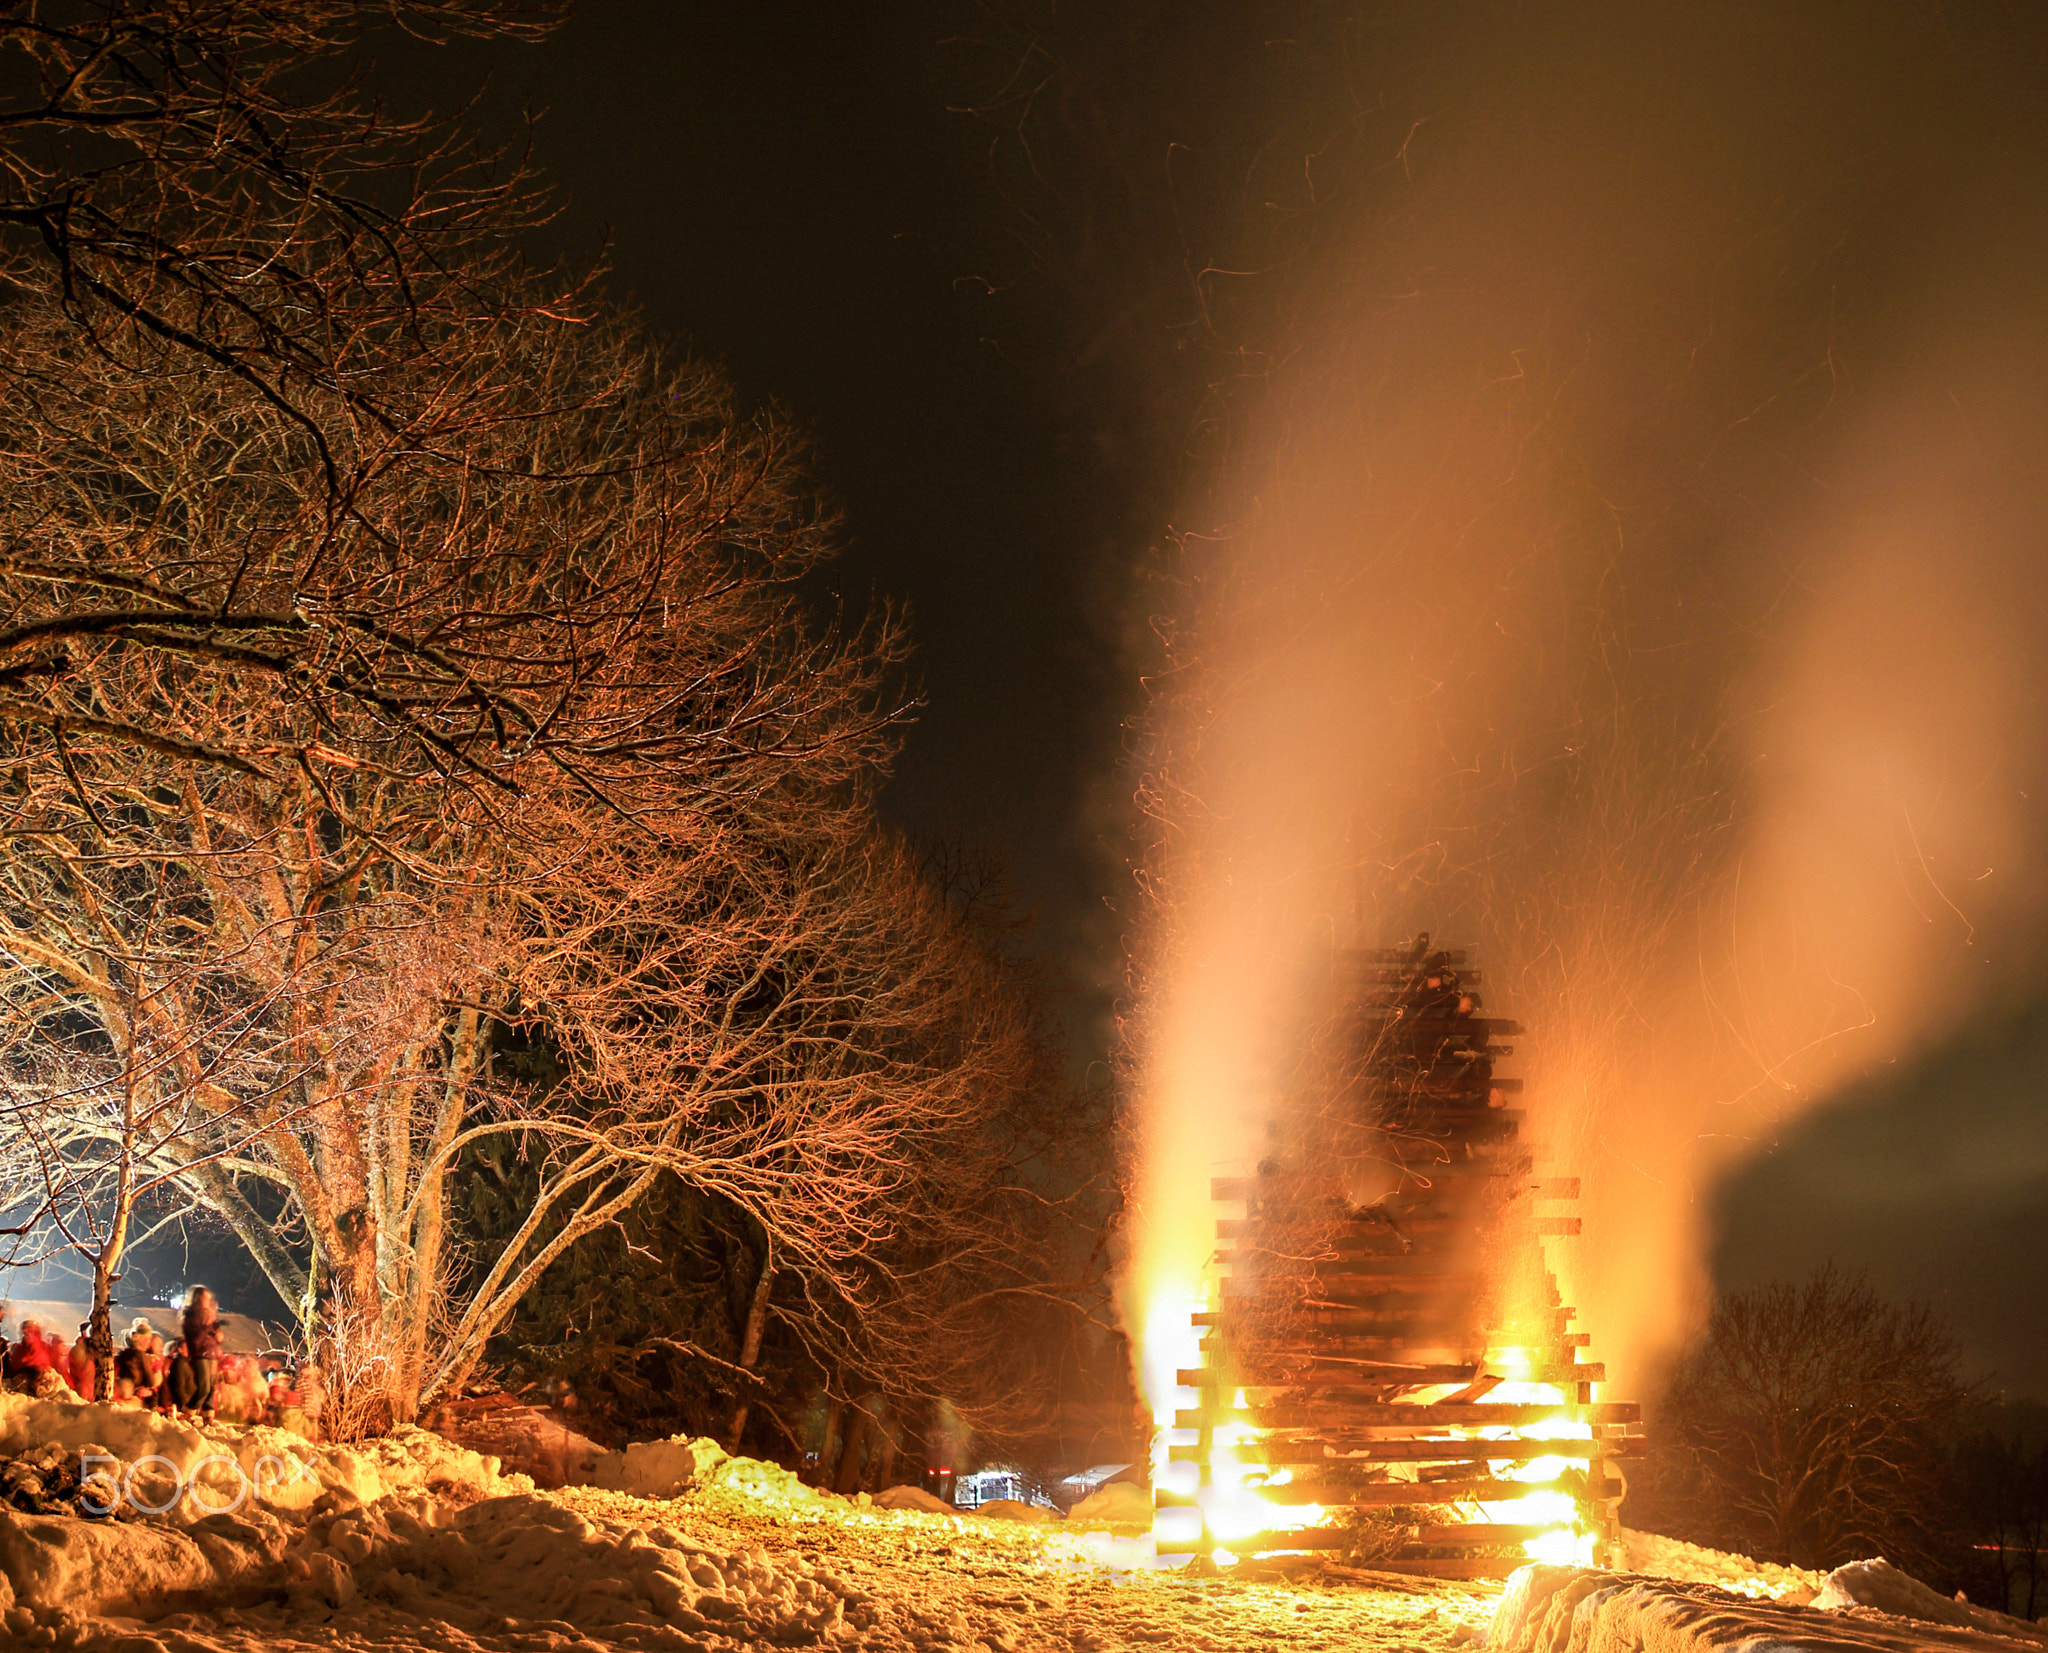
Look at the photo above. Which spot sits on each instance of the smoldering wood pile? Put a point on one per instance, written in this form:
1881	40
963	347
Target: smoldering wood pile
1400	1252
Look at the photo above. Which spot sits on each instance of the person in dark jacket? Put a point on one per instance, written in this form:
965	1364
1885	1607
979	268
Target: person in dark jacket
134	1376
202	1348
180	1392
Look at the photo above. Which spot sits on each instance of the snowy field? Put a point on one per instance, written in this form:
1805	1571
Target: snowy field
751	1559
419	1544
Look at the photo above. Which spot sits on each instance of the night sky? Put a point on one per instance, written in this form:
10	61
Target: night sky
954	242
781	187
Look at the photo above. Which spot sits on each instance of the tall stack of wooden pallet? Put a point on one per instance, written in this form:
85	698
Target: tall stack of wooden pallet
1383	1275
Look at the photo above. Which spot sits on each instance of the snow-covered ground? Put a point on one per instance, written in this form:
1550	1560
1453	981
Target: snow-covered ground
419	1544
1866	1607
1656	1557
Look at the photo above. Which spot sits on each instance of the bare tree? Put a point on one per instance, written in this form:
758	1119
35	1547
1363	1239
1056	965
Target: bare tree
989	1270
1803	1428
335	299
759	1011
198	844
394	651
2002	1493
138	1066
969	1291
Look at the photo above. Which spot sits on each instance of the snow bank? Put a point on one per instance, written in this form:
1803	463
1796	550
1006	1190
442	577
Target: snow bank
526	1440
218	1514
1120	1501
49	1563
535	1561
658	1469
913	1498
1656	1557
764	1483
179	1469
523	1565
1012	1509
1577	1610
1881	1587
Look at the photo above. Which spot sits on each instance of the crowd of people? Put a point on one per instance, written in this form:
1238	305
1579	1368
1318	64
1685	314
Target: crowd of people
192	1376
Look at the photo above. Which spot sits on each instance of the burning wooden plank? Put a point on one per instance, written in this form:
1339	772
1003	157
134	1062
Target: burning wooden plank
1337	1324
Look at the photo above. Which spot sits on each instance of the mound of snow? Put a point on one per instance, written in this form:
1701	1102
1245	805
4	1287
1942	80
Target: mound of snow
658	1469
1577	1610
49	1563
764	1483
220	1513
526	1440
529	1563
1881	1587
1011	1509
182	1470
912	1498
1656	1557
1122	1501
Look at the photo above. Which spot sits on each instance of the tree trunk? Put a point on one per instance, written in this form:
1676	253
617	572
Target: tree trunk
750	1341
885	1460
848	1478
828	1451
100	1326
106	1264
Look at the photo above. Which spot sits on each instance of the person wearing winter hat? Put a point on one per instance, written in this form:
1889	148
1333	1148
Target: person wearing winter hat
134	1376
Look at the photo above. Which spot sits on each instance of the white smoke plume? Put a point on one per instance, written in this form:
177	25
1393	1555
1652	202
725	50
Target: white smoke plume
1625	561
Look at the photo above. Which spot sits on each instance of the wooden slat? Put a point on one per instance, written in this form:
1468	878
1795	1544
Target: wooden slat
1478	1566
1459	1534
1358	1290
1314	1188
1367	1331
1476	1124
1396	1265
1351	1270
1324	1538
1386	1494
1417	1452
1265	1543
1355	1234
1400	1415
1363	1373
1384	975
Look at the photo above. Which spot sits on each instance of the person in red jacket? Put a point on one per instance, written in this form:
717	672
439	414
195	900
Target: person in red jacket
202	1348
30	1357
60	1356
